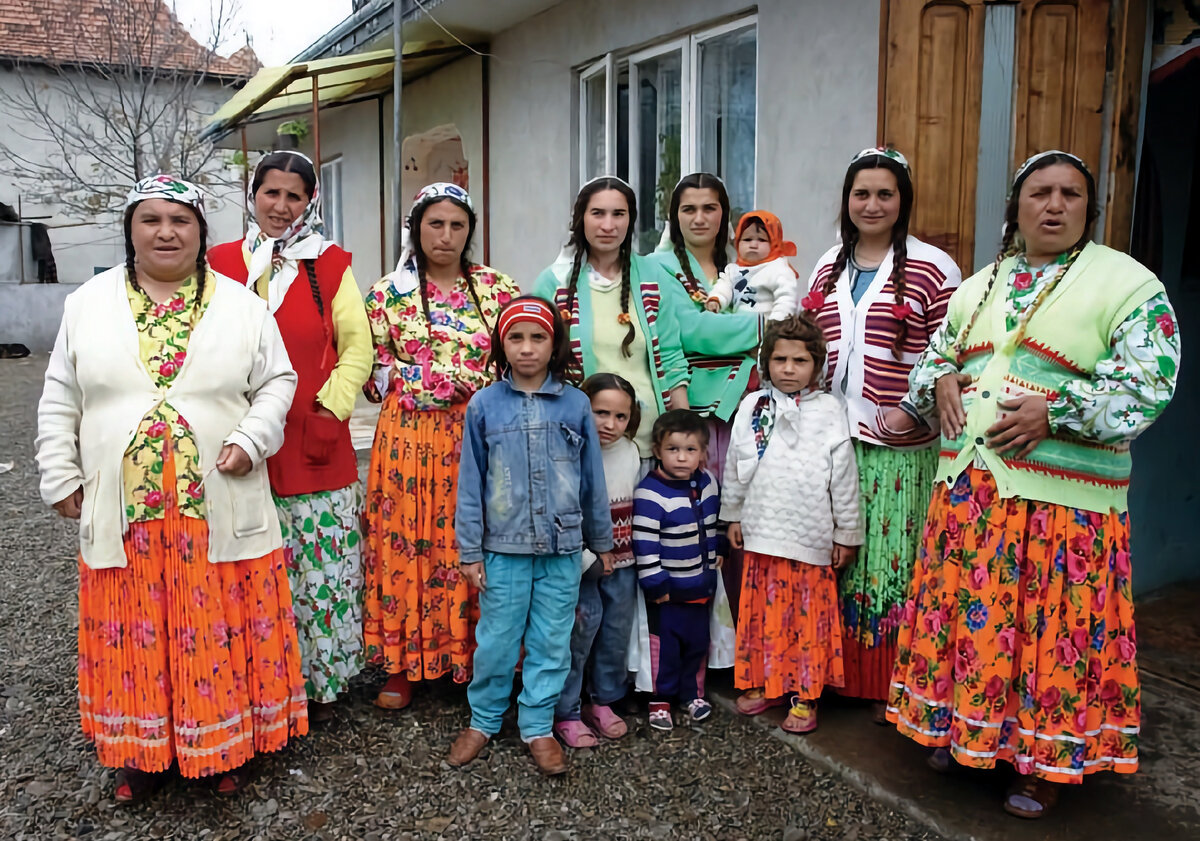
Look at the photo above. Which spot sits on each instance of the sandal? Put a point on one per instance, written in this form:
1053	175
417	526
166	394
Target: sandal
801	718
575	734
396	693
319	713
232	782
1030	797
939	760
133	786
604	721
755	702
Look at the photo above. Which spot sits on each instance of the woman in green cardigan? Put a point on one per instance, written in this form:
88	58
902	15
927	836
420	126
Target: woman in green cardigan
619	321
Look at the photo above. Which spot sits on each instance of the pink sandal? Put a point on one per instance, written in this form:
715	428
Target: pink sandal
604	721
755	702
801	718
575	734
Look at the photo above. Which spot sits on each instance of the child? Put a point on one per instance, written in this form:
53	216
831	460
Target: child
791	498
676	543
521	524
607	597
762	280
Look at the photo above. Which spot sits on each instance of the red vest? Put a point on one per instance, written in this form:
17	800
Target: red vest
317	454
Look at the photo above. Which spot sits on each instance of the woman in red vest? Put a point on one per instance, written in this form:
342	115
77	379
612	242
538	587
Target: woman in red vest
307	283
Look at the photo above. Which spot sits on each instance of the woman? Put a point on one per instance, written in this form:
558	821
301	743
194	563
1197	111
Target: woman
1017	641
430	325
619	320
166	391
307	284
878	296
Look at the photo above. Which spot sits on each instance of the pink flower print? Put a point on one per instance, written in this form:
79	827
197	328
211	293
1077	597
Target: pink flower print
444	390
1022	281
1051	698
178	304
1066	653
1006	640
142	633
424	355
1110	692
978	577
179	357
141	542
204	689
481	340
408	403
933	622
221	632
941	688
394	331
952	529
1126	648
1099	599
127	682
187	640
1077	567
457	299
473	364
1080	639
502	298
994	688
159	310
263	628
111	632
157	429
375	314
1121	563
411	347
1038	523
1081	719
378	296
154	499
1165	324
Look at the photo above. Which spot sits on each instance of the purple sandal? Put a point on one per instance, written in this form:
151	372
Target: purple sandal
604	721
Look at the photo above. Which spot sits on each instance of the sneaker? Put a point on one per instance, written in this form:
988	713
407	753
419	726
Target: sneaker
699	709
660	716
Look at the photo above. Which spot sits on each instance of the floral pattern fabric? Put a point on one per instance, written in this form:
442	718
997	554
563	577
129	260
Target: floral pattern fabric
1017	641
429	357
322	548
163	333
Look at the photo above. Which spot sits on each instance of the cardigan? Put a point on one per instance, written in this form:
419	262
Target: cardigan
860	366
801	495
675	538
235	387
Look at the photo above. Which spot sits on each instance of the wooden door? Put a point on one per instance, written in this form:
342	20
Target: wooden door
931	88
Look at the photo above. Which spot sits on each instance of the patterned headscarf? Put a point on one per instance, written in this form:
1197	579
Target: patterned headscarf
404	278
167	187
883	152
1023	169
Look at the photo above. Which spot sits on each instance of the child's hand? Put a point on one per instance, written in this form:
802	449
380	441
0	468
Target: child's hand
843	555
734	533
720	562
474	575
606	558
662	599
713	305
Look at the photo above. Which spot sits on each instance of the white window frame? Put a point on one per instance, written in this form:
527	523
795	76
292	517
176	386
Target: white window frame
332	201
606	66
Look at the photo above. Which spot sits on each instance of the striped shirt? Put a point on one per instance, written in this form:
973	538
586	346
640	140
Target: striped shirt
675	536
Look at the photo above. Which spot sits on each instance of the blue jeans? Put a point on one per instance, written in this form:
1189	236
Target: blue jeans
530	597
600	641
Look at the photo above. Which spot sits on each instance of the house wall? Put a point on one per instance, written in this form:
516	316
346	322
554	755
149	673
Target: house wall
817	103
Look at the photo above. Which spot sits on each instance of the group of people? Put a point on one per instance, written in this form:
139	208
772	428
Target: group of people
906	488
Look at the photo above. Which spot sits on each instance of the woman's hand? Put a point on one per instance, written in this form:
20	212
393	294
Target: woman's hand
896	426
734	533
234	461
474	575
948	394
843	555
678	398
462	393
70	507
609	562
1026	425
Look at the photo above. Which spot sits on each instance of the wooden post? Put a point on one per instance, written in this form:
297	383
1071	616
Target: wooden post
397	125
1128	49
245	182
316	120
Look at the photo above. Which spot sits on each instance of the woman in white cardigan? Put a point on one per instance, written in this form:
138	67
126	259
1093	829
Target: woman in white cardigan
166	391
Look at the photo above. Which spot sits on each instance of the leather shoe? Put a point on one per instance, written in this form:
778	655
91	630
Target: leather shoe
466	747
548	755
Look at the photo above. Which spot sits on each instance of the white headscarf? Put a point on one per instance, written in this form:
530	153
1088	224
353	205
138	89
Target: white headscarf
405	279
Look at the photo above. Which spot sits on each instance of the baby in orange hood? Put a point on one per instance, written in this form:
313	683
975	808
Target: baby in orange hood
762	280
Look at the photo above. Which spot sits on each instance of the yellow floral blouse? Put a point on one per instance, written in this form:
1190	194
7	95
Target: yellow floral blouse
163	333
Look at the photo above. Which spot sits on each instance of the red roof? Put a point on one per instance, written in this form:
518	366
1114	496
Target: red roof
110	32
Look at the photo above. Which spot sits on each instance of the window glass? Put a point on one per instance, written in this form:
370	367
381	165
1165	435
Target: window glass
660	132
726	113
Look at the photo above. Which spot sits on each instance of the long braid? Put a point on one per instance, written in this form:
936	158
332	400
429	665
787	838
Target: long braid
1042	296
835	271
899	259
310	269
468	275
626	283
573	279
688	279
423	286
1006	249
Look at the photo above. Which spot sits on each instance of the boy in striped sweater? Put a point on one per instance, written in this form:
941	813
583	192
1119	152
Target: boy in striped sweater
677	545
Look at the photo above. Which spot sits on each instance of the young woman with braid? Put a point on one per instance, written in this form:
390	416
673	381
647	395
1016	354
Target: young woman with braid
1017	641
308	286
878	296
165	393
619	319
431	321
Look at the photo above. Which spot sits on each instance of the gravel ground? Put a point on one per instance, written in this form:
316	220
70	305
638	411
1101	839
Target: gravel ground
368	774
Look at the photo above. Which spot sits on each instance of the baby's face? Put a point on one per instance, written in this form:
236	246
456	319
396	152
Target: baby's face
754	246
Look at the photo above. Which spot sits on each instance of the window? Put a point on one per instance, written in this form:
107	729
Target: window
331	199
655	114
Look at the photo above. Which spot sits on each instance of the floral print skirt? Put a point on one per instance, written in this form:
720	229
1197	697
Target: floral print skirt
894	487
789	636
419	613
1017	642
322	547
182	659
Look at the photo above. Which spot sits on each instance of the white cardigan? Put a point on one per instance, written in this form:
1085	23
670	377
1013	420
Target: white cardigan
234	388
801	497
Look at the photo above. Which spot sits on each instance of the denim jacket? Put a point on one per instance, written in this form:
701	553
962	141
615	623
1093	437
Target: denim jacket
531	477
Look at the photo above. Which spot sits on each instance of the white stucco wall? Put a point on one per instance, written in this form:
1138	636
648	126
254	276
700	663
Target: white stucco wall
817	95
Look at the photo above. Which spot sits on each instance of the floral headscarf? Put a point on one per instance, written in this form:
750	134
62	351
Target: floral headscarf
1023	169
883	152
170	188
404	278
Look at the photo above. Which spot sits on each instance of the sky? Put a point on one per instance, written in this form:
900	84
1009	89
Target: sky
278	29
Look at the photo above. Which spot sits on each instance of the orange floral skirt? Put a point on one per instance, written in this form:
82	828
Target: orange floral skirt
1017	641
789	630
185	660
419	614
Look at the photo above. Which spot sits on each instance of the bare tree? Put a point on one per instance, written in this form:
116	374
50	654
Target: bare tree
125	95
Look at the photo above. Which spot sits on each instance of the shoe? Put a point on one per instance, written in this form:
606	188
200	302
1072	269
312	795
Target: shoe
801	718
699	709
134	786
1031	798
755	702
319	713
879	713
232	782
396	693
939	760
660	716
602	719
466	747
575	734
548	754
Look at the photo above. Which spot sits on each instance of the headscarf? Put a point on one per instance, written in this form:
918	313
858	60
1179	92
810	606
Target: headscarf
405	278
780	247
170	188
1024	169
278	258
883	152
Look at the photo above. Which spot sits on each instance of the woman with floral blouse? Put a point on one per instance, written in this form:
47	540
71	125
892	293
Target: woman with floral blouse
1017	641
430	322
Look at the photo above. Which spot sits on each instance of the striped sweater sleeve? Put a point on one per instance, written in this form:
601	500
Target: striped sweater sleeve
647	518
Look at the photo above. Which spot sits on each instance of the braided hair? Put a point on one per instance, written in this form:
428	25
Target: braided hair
201	254
720	254
578	242
899	243
1012	244
464	263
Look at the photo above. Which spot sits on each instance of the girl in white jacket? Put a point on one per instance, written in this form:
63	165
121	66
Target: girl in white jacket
762	280
791	500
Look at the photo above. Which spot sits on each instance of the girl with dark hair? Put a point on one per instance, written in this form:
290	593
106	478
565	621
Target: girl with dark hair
166	391
878	296
308	286
431	321
618	318
1017	639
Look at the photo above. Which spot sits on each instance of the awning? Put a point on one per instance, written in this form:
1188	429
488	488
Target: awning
278	93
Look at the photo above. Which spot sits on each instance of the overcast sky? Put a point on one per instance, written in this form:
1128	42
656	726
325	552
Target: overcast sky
278	29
